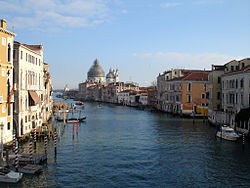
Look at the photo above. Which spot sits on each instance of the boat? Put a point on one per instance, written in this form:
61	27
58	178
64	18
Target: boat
79	103
71	120
29	168
227	133
9	176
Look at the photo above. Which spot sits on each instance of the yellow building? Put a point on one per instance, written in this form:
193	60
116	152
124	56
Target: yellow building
6	83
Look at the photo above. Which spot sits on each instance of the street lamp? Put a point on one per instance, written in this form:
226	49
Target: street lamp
1	126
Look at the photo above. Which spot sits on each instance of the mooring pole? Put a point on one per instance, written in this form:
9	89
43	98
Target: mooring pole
77	125
55	140
35	139
243	141
73	129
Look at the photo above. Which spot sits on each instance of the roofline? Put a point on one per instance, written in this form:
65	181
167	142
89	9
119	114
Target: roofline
7	32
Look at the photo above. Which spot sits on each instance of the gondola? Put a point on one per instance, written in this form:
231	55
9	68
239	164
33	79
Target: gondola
70	120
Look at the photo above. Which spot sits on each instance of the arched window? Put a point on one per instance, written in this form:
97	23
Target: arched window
9	53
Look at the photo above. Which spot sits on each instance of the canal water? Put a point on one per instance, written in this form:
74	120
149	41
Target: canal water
120	146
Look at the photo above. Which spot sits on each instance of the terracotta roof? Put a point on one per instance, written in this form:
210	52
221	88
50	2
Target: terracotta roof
196	76
33	47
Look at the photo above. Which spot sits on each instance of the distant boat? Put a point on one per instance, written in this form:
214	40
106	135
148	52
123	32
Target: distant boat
227	133
9	176
79	103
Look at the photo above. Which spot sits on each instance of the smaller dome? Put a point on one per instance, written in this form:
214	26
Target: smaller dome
110	75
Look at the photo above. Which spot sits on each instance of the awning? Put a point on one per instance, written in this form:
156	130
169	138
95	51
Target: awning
35	97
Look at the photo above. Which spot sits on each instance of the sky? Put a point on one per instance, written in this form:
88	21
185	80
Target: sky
140	38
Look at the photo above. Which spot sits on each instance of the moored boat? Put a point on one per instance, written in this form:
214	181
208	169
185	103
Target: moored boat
29	168
227	133
9	176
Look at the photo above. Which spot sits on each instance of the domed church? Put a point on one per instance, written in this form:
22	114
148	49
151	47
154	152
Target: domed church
96	73
112	76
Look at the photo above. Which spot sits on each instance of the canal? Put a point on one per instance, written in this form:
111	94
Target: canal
120	146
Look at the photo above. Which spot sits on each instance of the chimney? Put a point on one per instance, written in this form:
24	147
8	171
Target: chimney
3	24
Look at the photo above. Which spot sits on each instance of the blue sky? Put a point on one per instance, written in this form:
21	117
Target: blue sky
141	38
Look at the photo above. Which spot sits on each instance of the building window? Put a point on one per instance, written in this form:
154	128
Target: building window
9	53
25	119
241	83
203	95
21	54
236	83
243	65
8	125
189	98
218	106
241	99
26	57
219	80
205	87
218	96
3	41
236	98
232	68
14	54
189	87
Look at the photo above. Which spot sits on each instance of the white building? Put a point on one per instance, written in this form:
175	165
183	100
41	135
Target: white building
29	94
123	98
235	88
143	99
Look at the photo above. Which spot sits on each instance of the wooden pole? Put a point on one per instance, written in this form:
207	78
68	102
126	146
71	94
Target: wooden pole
73	129
77	125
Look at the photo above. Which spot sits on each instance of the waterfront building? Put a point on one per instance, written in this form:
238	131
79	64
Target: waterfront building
123	97
162	87
6	83
143	99
215	111
236	90
183	92
47	101
30	92
152	96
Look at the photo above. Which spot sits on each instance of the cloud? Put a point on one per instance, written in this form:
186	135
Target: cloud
172	4
51	14
186	60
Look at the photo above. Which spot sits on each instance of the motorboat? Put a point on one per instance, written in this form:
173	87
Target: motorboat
79	103
9	176
227	133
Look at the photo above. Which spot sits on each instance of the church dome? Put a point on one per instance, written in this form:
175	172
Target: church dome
110	74
96	70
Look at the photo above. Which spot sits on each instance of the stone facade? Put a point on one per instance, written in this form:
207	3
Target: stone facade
33	95
182	91
6	83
